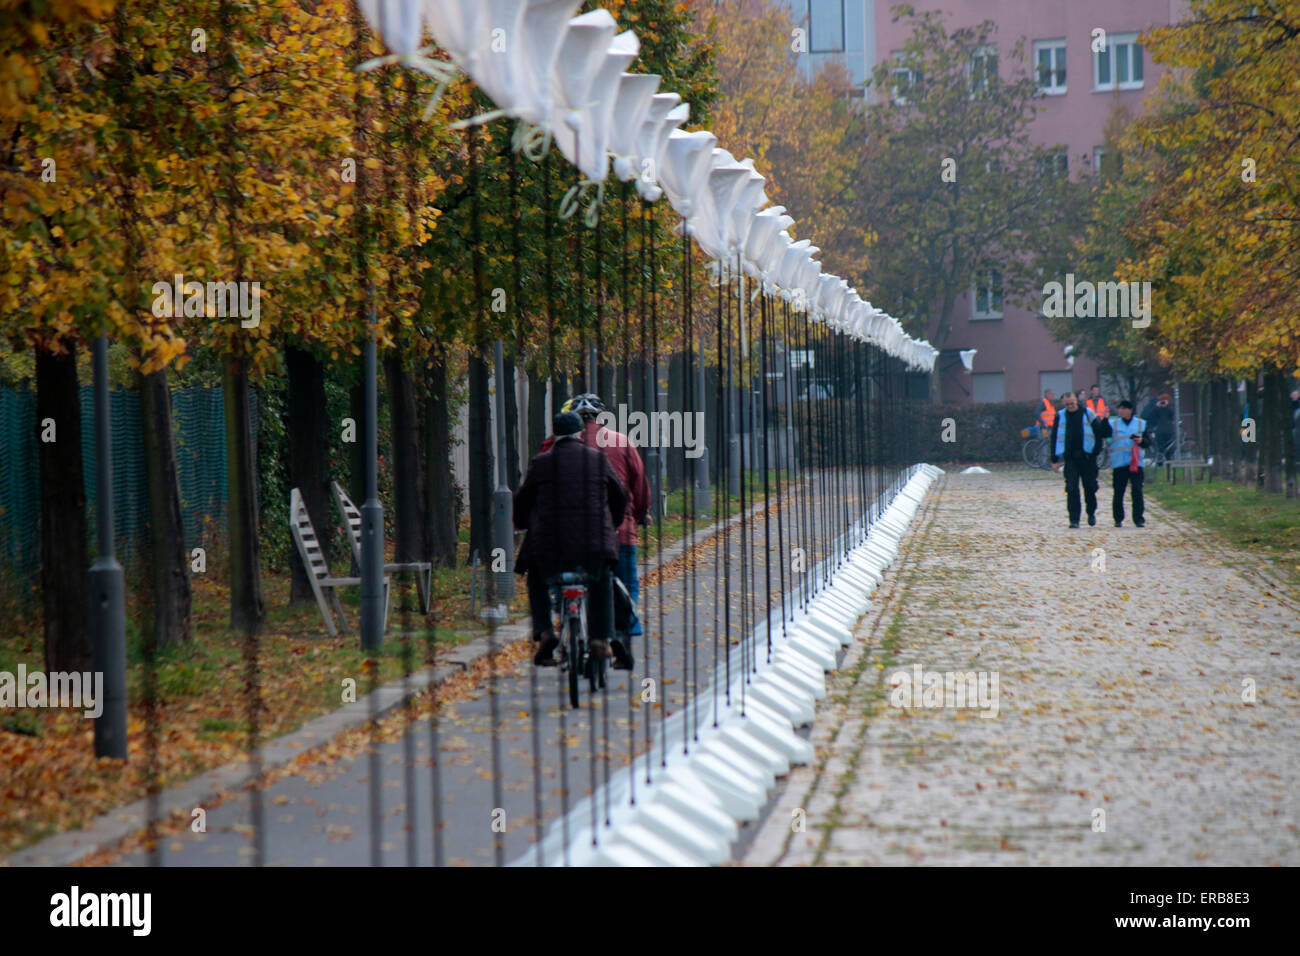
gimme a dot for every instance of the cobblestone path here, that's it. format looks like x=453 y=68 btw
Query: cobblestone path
x=1148 y=711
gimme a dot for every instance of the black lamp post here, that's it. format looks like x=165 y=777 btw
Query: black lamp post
x=107 y=586
x=372 y=512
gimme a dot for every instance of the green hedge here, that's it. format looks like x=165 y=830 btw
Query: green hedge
x=981 y=433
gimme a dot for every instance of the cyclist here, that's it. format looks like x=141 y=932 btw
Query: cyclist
x=570 y=502
x=627 y=464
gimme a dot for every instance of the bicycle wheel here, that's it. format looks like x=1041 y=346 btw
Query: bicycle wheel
x=1030 y=452
x=575 y=658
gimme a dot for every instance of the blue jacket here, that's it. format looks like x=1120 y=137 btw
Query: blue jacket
x=1089 y=439
x=1121 y=442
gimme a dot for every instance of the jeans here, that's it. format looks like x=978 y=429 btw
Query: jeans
x=1123 y=477
x=600 y=600
x=626 y=572
x=1080 y=468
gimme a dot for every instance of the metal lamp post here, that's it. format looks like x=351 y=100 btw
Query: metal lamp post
x=107 y=585
x=372 y=512
x=503 y=581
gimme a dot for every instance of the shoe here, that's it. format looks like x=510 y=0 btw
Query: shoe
x=1119 y=524
x=623 y=660
x=546 y=642
x=1074 y=524
x=1140 y=524
x=598 y=648
x=1092 y=519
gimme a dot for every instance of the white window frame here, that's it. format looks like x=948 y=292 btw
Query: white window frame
x=1098 y=153
x=1115 y=42
x=812 y=38
x=1057 y=46
x=978 y=314
x=985 y=51
x=901 y=71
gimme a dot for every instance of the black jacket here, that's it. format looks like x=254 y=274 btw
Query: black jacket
x=571 y=502
x=1074 y=425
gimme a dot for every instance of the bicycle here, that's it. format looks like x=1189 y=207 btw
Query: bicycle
x=1168 y=451
x=569 y=606
x=1035 y=451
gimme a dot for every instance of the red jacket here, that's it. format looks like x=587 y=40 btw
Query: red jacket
x=627 y=464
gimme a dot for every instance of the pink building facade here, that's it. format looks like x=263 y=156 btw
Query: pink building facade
x=1016 y=356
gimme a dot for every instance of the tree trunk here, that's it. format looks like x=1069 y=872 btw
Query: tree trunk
x=481 y=480
x=537 y=429
x=64 y=559
x=170 y=578
x=408 y=513
x=440 y=487
x=309 y=446
x=512 y=424
x=1290 y=440
x=1274 y=423
x=940 y=337
x=559 y=394
x=356 y=450
x=246 y=606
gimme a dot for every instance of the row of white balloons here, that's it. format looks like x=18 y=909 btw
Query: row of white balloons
x=566 y=74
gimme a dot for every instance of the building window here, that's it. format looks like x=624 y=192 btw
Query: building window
x=1119 y=65
x=1049 y=61
x=1054 y=165
x=905 y=79
x=1059 y=382
x=986 y=295
x=826 y=26
x=1098 y=154
x=983 y=70
x=989 y=387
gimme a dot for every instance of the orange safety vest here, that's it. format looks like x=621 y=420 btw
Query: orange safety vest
x=1098 y=406
x=1048 y=414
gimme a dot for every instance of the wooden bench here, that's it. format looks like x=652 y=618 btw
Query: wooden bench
x=323 y=584
x=352 y=517
x=1189 y=468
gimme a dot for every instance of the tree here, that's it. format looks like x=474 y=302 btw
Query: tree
x=953 y=187
x=803 y=135
x=1128 y=353
x=1218 y=235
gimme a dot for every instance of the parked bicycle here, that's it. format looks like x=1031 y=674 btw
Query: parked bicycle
x=1036 y=451
x=1170 y=452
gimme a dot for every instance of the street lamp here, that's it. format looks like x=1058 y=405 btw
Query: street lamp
x=107 y=587
x=372 y=512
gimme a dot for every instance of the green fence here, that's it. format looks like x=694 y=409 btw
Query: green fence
x=198 y=424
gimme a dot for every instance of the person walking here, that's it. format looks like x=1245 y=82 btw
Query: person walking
x=1129 y=436
x=1074 y=443
x=1159 y=414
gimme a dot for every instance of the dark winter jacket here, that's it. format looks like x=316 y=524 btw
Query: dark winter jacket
x=571 y=502
x=627 y=464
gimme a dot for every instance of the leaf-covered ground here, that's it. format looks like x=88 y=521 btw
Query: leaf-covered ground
x=50 y=780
